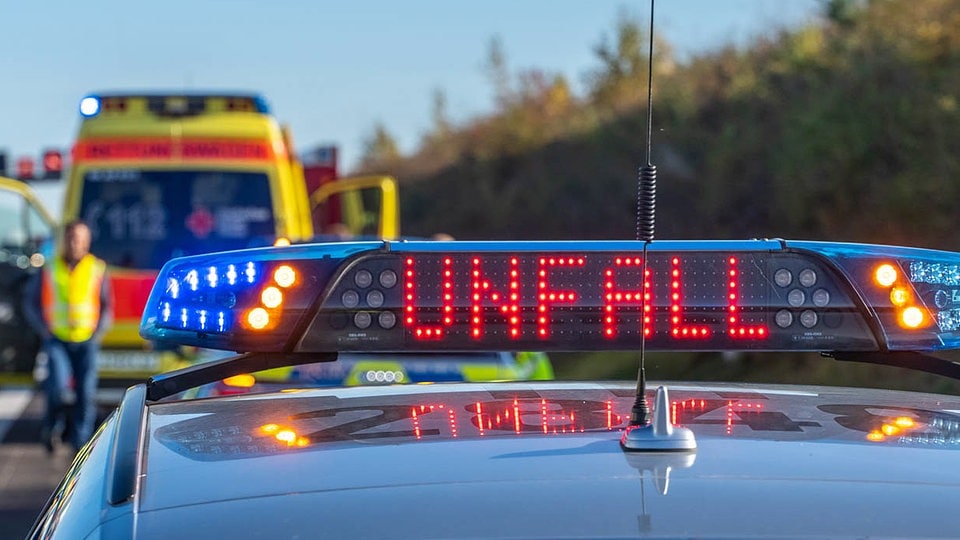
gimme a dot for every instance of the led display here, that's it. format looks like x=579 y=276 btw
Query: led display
x=586 y=300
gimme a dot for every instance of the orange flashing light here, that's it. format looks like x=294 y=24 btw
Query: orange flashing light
x=885 y=275
x=258 y=318
x=285 y=276
x=271 y=297
x=912 y=317
x=900 y=296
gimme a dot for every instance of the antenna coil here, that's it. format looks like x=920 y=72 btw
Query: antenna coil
x=647 y=203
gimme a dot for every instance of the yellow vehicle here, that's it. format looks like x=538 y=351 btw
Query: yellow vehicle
x=366 y=206
x=26 y=231
x=158 y=176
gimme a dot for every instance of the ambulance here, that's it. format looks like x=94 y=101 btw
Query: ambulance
x=159 y=175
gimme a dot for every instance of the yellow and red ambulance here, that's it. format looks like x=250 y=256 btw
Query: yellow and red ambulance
x=158 y=176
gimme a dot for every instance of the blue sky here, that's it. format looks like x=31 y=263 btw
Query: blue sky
x=331 y=70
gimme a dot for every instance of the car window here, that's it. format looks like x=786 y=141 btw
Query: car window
x=136 y=224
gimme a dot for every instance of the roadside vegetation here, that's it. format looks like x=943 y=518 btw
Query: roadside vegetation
x=845 y=129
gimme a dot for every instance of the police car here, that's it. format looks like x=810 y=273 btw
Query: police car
x=533 y=459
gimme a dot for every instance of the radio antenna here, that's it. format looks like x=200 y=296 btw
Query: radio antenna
x=646 y=216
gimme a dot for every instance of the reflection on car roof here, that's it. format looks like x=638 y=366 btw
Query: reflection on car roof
x=467 y=456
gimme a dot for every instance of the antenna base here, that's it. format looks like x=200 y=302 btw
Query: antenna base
x=661 y=435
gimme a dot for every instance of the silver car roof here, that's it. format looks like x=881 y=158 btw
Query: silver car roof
x=543 y=460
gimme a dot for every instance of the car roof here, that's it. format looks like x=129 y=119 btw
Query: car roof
x=544 y=460
x=541 y=459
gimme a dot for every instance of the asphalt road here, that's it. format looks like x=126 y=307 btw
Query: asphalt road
x=28 y=474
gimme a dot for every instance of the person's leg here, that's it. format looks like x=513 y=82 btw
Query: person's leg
x=54 y=387
x=85 y=388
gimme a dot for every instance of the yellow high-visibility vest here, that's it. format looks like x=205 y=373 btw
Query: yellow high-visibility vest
x=71 y=298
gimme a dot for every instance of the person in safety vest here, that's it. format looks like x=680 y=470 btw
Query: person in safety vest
x=69 y=305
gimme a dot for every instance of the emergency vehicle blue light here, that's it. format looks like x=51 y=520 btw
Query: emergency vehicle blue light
x=261 y=104
x=212 y=276
x=561 y=296
x=195 y=300
x=89 y=106
x=219 y=299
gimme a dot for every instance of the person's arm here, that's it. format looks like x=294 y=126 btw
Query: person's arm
x=106 y=309
x=32 y=308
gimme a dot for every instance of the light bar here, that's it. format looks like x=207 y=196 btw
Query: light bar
x=560 y=296
x=173 y=105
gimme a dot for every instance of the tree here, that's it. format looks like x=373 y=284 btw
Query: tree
x=442 y=127
x=496 y=69
x=379 y=148
x=842 y=12
x=623 y=62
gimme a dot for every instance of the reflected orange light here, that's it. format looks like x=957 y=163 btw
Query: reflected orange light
x=875 y=436
x=281 y=241
x=889 y=430
x=904 y=422
x=270 y=429
x=287 y=436
x=885 y=275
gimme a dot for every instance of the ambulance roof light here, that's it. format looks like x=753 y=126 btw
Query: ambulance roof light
x=89 y=106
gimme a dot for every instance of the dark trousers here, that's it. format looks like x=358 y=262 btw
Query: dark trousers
x=71 y=362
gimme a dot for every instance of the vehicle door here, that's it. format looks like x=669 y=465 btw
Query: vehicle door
x=26 y=240
x=363 y=206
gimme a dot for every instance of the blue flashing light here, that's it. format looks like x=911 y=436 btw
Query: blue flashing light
x=261 y=105
x=206 y=300
x=90 y=106
x=207 y=295
x=192 y=279
x=562 y=296
x=173 y=288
